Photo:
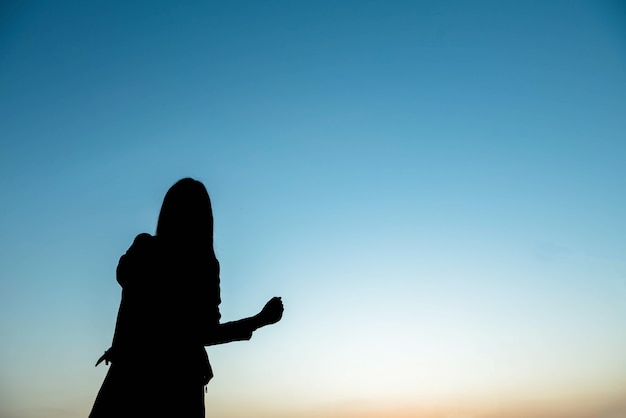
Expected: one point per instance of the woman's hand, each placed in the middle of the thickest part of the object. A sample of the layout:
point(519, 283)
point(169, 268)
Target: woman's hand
point(271, 313)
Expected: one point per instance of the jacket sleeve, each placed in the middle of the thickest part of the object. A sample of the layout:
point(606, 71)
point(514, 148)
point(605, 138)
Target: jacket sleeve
point(128, 267)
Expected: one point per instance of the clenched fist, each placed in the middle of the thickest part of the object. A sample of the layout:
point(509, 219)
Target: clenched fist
point(272, 312)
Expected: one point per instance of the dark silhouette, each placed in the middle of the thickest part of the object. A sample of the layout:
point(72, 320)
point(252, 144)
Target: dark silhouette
point(168, 313)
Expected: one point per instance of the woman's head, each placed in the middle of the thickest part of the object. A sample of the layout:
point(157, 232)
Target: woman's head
point(186, 215)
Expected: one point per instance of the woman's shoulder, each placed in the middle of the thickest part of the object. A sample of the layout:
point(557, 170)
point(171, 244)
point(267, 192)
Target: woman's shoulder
point(142, 243)
point(143, 239)
point(137, 259)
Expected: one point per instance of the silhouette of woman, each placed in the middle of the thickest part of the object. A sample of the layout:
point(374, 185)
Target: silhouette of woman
point(169, 311)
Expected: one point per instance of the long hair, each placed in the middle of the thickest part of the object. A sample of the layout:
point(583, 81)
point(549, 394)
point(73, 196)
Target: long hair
point(185, 225)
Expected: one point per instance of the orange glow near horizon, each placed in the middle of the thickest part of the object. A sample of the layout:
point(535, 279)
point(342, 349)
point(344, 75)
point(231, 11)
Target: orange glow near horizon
point(538, 407)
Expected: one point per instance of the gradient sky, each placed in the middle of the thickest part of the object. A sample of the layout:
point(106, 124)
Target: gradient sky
point(435, 189)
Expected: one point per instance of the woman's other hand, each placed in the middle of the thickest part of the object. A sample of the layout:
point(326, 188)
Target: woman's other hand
point(272, 312)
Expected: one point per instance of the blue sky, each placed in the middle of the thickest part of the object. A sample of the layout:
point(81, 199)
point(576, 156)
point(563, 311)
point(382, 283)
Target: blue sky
point(434, 188)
